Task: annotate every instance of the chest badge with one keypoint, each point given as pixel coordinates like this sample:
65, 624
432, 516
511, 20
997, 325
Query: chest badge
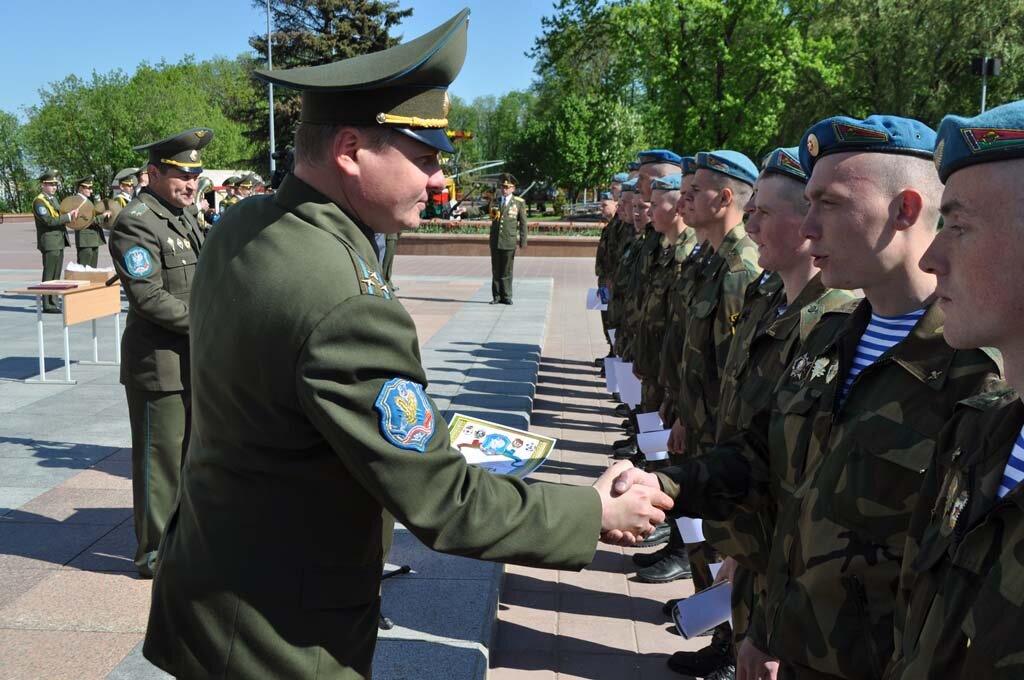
800, 367
818, 369
956, 501
832, 372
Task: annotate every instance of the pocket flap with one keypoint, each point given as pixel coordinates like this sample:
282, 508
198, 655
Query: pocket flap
180, 258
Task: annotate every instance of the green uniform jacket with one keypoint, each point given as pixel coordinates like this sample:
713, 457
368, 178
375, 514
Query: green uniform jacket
512, 219
604, 261
619, 295
691, 257
51, 234
765, 343
92, 236
654, 311
309, 418
155, 254
963, 574
637, 281
713, 310
845, 477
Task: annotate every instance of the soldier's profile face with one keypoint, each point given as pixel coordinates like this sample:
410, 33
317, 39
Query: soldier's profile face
683, 207
663, 209
848, 221
702, 198
625, 209
774, 224
640, 208
393, 183
976, 256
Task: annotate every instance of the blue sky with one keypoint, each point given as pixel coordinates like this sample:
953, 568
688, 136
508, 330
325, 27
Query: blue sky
45, 42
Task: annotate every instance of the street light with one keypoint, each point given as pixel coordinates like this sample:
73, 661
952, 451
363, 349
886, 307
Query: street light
985, 67
270, 67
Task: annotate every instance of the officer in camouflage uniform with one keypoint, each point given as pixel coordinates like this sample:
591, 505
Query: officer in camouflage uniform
608, 249
155, 245
779, 310
618, 307
51, 233
843, 463
962, 601
320, 419
508, 217
89, 239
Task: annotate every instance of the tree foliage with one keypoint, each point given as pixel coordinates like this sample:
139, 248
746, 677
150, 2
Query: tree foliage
310, 33
16, 189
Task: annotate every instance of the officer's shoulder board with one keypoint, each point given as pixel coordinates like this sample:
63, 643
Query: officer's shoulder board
990, 400
370, 280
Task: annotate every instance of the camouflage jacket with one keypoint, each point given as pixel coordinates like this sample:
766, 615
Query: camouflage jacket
690, 264
604, 262
845, 477
636, 287
962, 585
653, 312
616, 304
766, 341
714, 308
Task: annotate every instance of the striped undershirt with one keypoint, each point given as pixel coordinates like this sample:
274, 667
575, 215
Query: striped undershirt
882, 333
1014, 471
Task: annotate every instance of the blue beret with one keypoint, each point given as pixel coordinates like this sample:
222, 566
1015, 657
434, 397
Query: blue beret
632, 166
629, 185
658, 156
667, 183
731, 163
688, 165
996, 135
879, 134
605, 196
620, 177
786, 162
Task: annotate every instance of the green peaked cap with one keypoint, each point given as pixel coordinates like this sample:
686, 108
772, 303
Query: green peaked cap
181, 151
404, 87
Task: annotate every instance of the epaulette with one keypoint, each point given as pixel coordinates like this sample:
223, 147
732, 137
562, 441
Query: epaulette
990, 400
370, 280
835, 301
138, 209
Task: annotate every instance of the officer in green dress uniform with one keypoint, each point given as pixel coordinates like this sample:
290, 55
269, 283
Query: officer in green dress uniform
89, 239
508, 217
230, 189
155, 245
311, 415
125, 182
141, 179
51, 233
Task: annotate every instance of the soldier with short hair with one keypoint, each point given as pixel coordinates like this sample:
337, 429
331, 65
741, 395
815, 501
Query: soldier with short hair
508, 232
961, 600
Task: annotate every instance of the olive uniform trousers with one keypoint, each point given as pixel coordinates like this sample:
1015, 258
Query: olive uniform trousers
161, 423
88, 256
53, 266
501, 273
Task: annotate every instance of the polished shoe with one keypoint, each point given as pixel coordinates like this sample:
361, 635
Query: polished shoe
622, 411
647, 559
726, 672
703, 662
506, 302
669, 568
624, 443
625, 452
599, 361
616, 397
657, 537
626, 423
51, 310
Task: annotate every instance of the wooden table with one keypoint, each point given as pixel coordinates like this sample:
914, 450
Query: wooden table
87, 302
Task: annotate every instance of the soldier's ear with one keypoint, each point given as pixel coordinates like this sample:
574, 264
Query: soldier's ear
344, 150
907, 207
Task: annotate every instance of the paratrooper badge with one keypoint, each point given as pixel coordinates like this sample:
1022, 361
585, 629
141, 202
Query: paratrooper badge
956, 501
818, 369
800, 367
833, 371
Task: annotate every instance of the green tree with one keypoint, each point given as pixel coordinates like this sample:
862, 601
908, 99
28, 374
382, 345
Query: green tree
16, 187
310, 33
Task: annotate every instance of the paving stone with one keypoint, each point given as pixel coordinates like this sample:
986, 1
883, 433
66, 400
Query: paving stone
61, 654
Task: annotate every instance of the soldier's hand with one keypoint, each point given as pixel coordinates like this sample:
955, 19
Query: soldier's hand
628, 476
677, 439
753, 664
727, 572
73, 214
627, 517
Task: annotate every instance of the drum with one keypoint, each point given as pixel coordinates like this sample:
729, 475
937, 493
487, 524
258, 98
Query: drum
86, 211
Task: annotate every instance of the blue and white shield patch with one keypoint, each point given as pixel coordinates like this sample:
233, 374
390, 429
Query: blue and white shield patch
406, 419
138, 262
42, 210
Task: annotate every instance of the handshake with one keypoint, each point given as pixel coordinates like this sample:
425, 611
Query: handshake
632, 504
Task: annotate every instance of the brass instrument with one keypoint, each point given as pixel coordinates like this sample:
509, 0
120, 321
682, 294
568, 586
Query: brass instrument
85, 208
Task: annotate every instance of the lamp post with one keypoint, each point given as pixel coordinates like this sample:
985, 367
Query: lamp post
985, 67
270, 67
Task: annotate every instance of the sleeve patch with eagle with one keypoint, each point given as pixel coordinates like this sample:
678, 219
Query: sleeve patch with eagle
406, 417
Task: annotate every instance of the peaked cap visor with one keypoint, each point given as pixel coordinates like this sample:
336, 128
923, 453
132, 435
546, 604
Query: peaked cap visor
435, 138
180, 151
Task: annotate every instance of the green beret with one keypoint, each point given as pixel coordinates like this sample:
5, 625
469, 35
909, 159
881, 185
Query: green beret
996, 135
404, 87
180, 151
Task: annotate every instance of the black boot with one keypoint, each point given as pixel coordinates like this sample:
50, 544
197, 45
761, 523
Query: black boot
672, 567
624, 449
622, 411
703, 662
647, 559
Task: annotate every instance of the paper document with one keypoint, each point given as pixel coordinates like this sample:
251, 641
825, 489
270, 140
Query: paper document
611, 367
700, 613
629, 384
649, 422
691, 529
597, 299
653, 442
500, 449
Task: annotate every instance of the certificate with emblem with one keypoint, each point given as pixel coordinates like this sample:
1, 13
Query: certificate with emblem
500, 449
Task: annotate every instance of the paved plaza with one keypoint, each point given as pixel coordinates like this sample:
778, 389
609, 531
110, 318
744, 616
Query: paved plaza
72, 607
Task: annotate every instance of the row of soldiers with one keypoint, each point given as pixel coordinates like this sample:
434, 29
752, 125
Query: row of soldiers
810, 334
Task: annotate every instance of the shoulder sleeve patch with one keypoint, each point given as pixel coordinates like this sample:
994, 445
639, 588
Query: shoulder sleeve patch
41, 210
406, 418
138, 262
